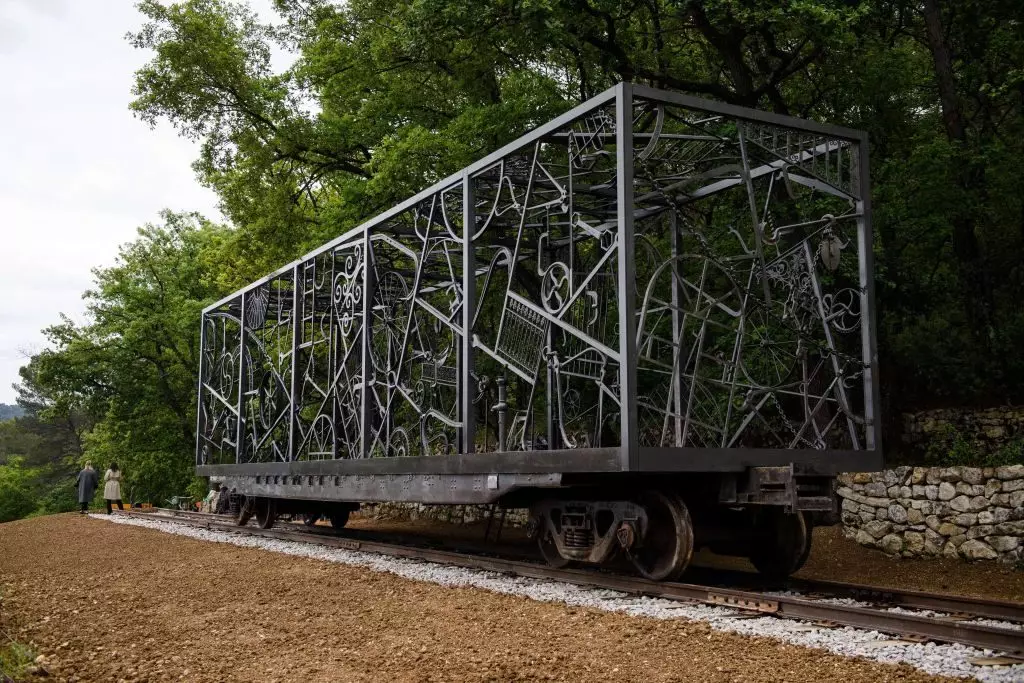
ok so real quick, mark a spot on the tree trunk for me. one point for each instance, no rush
(968, 176)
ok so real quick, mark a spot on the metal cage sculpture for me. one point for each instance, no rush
(651, 282)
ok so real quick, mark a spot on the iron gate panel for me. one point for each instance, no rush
(682, 282)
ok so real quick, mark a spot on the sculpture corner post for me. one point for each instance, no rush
(626, 277)
(468, 441)
(243, 369)
(869, 341)
(365, 406)
(200, 422)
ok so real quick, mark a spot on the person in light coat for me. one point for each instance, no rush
(112, 487)
(86, 484)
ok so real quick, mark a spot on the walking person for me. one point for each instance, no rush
(112, 487)
(86, 482)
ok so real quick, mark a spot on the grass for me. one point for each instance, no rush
(15, 659)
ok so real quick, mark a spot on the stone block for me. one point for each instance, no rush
(951, 473)
(864, 538)
(963, 488)
(992, 487)
(1010, 472)
(914, 516)
(966, 519)
(893, 492)
(979, 503)
(960, 504)
(1017, 513)
(897, 513)
(1003, 544)
(849, 505)
(977, 550)
(917, 491)
(1011, 485)
(981, 531)
(933, 522)
(913, 542)
(988, 472)
(917, 476)
(849, 518)
(866, 508)
(876, 489)
(1000, 499)
(906, 491)
(899, 528)
(946, 491)
(1017, 499)
(949, 530)
(949, 550)
(931, 492)
(877, 502)
(892, 544)
(861, 477)
(877, 528)
(986, 517)
(958, 540)
(1000, 515)
(973, 475)
(845, 478)
(1015, 528)
(847, 492)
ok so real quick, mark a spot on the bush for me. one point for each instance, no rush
(17, 497)
(951, 448)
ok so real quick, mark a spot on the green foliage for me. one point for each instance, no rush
(15, 660)
(17, 490)
(950, 448)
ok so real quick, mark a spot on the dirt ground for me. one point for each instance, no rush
(833, 558)
(105, 602)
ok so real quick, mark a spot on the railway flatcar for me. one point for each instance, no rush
(649, 321)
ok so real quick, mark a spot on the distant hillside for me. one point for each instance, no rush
(8, 412)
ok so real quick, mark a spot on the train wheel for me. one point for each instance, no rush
(266, 512)
(245, 511)
(783, 545)
(311, 518)
(549, 551)
(339, 518)
(667, 547)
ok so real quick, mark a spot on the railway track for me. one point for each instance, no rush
(943, 618)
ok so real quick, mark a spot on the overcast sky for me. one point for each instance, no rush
(78, 173)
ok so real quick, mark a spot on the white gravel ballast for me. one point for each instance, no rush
(947, 660)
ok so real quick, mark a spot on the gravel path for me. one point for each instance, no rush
(106, 602)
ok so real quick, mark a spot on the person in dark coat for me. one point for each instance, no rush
(87, 482)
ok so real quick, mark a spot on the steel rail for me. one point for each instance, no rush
(1010, 641)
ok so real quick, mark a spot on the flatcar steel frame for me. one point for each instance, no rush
(650, 283)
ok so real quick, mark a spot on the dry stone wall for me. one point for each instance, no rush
(973, 513)
(986, 430)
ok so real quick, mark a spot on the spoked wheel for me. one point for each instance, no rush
(266, 512)
(339, 518)
(782, 545)
(311, 518)
(548, 549)
(245, 511)
(667, 547)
